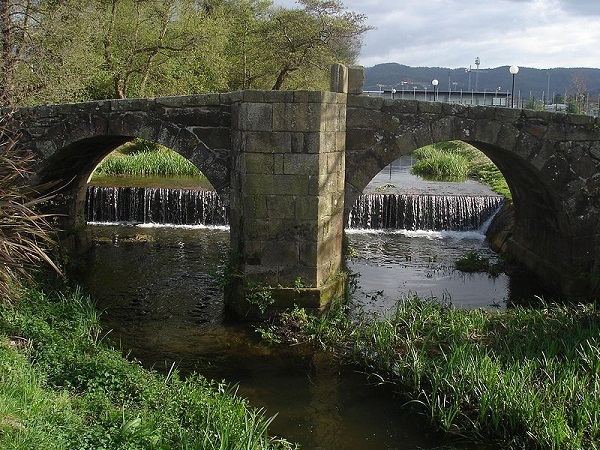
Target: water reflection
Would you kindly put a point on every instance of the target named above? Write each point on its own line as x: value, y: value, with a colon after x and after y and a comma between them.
x: 395, y: 264
x: 161, y: 298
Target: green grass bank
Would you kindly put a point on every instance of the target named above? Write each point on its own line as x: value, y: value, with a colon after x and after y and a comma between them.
x: 524, y: 378
x: 145, y: 158
x: 63, y: 385
x: 458, y: 161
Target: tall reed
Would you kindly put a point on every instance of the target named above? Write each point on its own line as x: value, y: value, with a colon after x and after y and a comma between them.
x: 529, y: 378
x: 26, y: 236
x: 457, y: 161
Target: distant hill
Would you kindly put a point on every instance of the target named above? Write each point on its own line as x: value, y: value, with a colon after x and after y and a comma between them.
x: 530, y: 82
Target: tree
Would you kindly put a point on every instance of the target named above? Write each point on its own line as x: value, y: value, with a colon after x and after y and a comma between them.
x: 78, y: 50
x: 16, y: 19
x: 580, y: 85
x: 309, y: 40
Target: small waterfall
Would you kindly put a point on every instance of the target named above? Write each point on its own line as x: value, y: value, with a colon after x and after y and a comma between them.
x: 154, y: 205
x: 422, y: 212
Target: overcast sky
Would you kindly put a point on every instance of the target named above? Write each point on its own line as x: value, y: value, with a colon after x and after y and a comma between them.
x: 452, y: 33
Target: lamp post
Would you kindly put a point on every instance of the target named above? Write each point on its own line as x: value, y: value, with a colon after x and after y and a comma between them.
x: 477, y: 62
x: 435, y: 91
x: 513, y: 70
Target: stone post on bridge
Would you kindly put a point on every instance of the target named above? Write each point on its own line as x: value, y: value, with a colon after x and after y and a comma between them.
x: 287, y: 200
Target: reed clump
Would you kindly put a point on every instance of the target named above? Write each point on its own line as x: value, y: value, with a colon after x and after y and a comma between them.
x: 26, y: 234
x: 527, y: 378
x: 144, y: 158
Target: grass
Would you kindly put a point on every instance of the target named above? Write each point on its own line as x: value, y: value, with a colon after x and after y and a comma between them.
x: 527, y: 378
x: 144, y: 158
x: 458, y: 161
x: 63, y: 385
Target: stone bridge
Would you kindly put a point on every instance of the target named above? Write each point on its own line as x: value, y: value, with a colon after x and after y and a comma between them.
x: 291, y: 163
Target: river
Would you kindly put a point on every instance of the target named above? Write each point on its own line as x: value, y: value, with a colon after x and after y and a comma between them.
x: 158, y: 289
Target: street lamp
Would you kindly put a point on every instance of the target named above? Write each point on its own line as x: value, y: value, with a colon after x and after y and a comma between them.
x: 435, y: 92
x: 513, y: 70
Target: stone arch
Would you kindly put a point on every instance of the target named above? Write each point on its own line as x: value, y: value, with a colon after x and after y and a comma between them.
x: 532, y: 150
x: 71, y: 149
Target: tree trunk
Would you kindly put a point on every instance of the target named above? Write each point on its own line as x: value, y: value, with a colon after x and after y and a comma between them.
x: 6, y: 62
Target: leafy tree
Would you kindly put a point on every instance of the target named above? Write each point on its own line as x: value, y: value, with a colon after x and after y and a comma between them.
x: 309, y: 40
x: 77, y: 50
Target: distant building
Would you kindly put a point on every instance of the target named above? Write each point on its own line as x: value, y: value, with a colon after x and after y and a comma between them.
x: 556, y: 107
x: 482, y: 98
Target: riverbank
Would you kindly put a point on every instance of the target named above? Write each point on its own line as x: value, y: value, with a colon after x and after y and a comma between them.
x: 526, y: 378
x: 63, y: 384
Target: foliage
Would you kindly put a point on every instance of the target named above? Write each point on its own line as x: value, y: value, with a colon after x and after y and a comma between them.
x: 25, y: 234
x: 457, y: 161
x: 144, y: 158
x: 527, y: 377
x: 77, y: 50
x: 261, y: 297
x: 62, y: 385
x: 315, y: 36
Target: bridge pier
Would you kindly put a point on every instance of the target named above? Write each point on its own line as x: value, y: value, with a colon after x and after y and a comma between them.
x: 287, y: 201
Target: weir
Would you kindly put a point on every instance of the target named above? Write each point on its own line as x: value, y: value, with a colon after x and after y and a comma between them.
x: 423, y: 212
x: 370, y: 211
x: 154, y: 205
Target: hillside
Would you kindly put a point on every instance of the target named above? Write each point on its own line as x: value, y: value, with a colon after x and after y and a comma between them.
x: 529, y: 81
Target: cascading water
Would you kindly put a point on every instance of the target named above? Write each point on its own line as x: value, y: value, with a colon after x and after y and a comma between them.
x: 154, y: 205
x: 423, y: 212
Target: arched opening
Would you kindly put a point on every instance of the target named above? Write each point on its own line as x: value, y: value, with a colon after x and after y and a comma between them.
x: 409, y: 235
x: 146, y: 183
x: 159, y: 237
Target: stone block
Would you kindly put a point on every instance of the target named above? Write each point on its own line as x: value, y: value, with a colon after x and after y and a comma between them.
x: 256, y: 117
x: 280, y: 253
x: 356, y: 79
x: 339, y: 78
x: 267, y: 142
x: 266, y: 184
x: 281, y: 206
x: 133, y: 104
x: 300, y: 164
x: 257, y: 163
x: 307, y: 208
x: 297, y: 117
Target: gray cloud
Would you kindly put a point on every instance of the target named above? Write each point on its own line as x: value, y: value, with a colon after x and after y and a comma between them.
x: 452, y: 33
